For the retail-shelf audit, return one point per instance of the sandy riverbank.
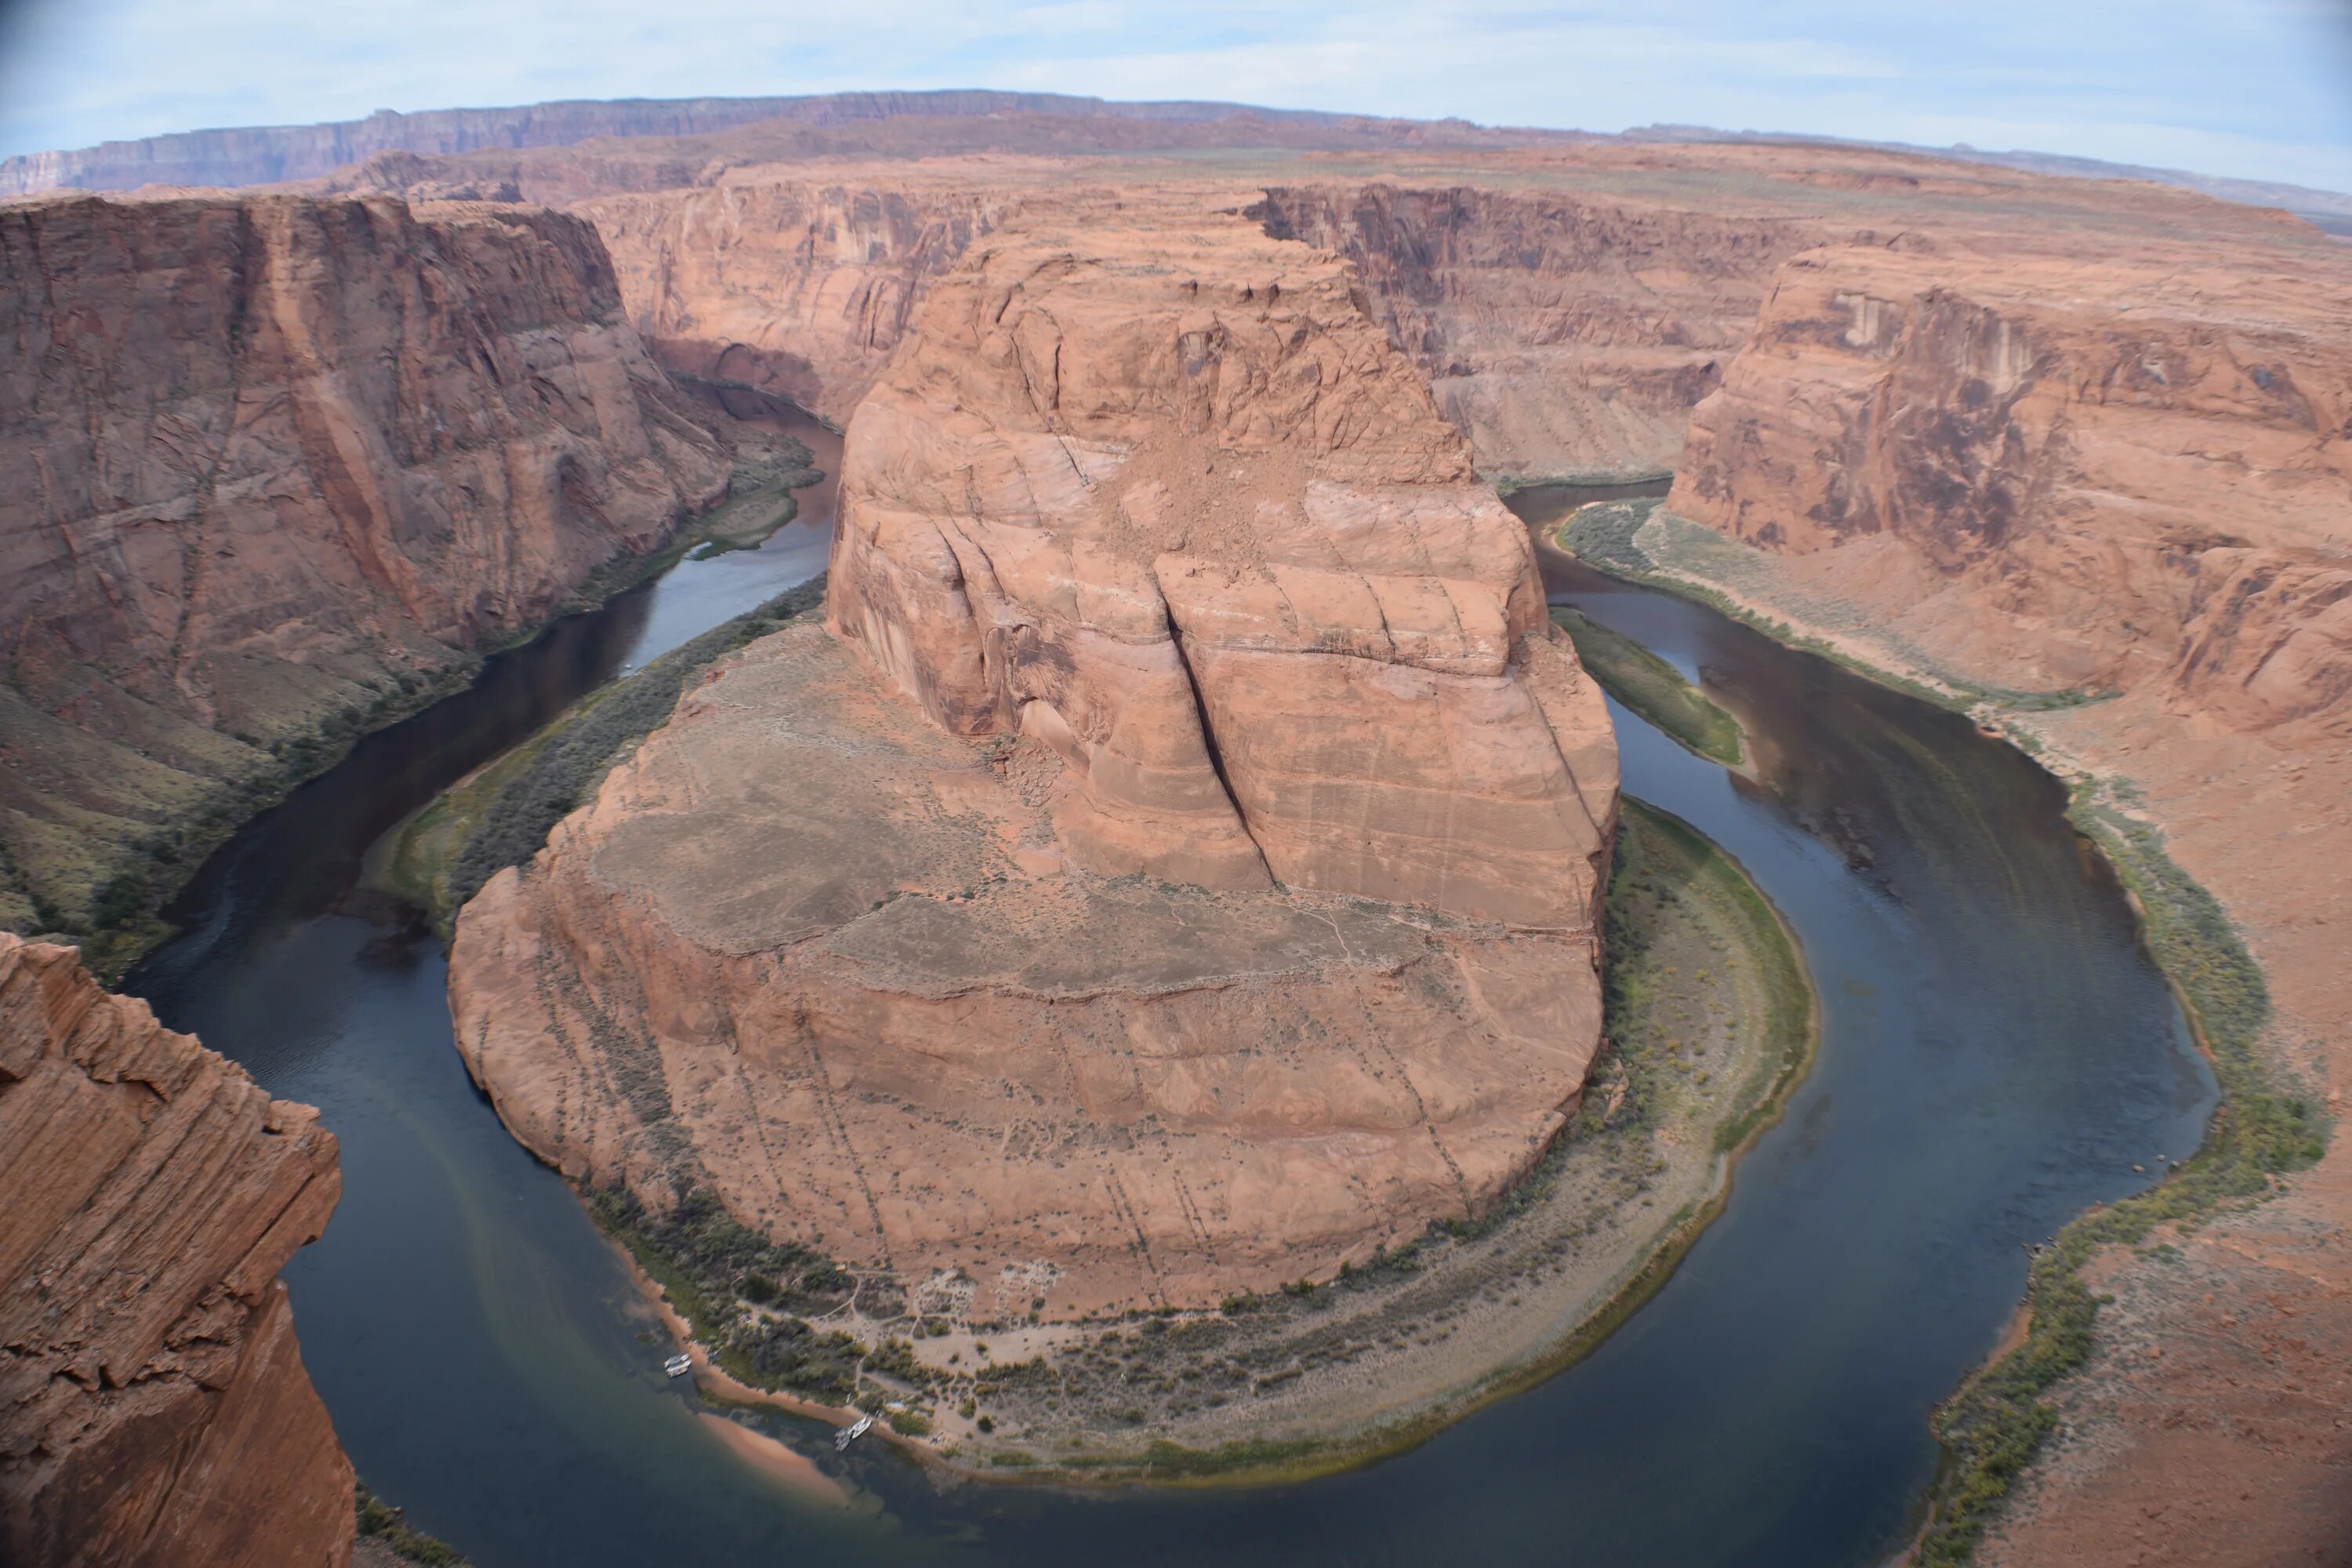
(1712, 1023)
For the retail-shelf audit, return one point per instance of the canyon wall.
(270, 466)
(2107, 490)
(1564, 333)
(254, 155)
(800, 286)
(153, 1409)
(2115, 477)
(1176, 873)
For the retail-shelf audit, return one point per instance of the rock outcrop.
(2109, 488)
(153, 1409)
(2115, 478)
(1566, 333)
(1177, 875)
(798, 285)
(269, 466)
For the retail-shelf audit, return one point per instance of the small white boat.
(851, 1432)
(679, 1365)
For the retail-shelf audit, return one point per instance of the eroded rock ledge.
(153, 1409)
(1176, 875)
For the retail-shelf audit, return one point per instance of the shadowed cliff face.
(272, 465)
(801, 288)
(1178, 876)
(153, 1409)
(2138, 483)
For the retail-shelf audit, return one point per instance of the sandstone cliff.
(2115, 478)
(153, 1409)
(1564, 333)
(268, 466)
(1179, 875)
(2108, 489)
(798, 285)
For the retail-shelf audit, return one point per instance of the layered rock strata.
(1175, 875)
(801, 287)
(268, 466)
(2143, 483)
(153, 1409)
(1566, 333)
(2112, 494)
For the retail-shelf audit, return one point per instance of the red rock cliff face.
(1179, 875)
(2122, 470)
(801, 287)
(153, 1409)
(1205, 538)
(1563, 333)
(2118, 477)
(265, 461)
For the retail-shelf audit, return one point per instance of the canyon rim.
(1171, 869)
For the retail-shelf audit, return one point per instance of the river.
(1997, 1053)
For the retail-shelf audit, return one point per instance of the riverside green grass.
(1995, 1423)
(500, 814)
(1653, 688)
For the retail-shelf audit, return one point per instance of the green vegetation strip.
(746, 1297)
(382, 1523)
(1652, 688)
(1994, 1425)
(1602, 535)
(1663, 865)
(500, 814)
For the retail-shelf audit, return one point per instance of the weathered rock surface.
(2118, 476)
(153, 1409)
(1564, 333)
(270, 464)
(798, 285)
(2123, 474)
(1169, 505)
(1180, 876)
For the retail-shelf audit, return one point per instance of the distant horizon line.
(2085, 165)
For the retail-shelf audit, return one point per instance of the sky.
(2261, 89)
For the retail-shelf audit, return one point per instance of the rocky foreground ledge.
(153, 1409)
(1174, 872)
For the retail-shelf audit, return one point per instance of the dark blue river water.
(1997, 1053)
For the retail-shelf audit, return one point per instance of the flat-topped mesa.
(1170, 503)
(1186, 885)
(153, 1409)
